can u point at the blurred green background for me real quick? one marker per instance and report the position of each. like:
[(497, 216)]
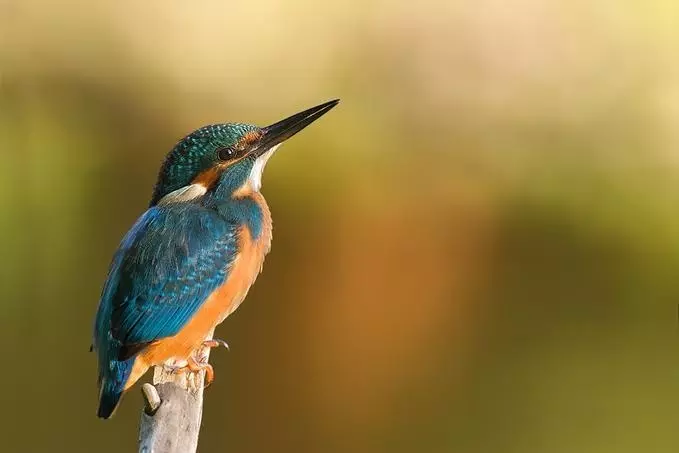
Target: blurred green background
[(477, 251)]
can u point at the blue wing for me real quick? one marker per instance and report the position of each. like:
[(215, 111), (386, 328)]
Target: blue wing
[(167, 265), (170, 262)]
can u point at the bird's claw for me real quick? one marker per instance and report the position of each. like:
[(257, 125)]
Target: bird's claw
[(198, 362), (215, 343), (193, 366)]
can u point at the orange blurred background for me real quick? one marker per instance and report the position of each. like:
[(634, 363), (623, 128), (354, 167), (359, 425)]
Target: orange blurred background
[(475, 252)]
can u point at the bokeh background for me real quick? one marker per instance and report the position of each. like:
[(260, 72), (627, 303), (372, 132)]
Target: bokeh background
[(477, 251)]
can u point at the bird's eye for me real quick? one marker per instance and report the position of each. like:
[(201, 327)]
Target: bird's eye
[(226, 153)]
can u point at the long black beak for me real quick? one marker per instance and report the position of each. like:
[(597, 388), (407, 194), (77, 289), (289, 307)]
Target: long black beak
[(283, 130)]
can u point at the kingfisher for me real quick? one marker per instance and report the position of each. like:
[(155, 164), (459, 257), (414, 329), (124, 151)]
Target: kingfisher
[(188, 261)]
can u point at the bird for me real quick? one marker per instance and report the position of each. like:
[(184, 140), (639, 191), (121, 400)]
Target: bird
[(189, 260)]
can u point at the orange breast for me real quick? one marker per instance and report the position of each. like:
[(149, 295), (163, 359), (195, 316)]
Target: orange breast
[(221, 303)]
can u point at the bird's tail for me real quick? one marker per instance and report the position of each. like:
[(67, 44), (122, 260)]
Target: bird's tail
[(112, 385)]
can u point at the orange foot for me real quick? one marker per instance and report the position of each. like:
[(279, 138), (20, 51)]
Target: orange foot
[(194, 366)]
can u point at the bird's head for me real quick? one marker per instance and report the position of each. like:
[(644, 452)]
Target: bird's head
[(225, 158)]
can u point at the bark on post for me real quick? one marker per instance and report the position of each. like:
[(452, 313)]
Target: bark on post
[(171, 423)]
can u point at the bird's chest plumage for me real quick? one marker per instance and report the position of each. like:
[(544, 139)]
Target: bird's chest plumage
[(254, 242), (247, 264)]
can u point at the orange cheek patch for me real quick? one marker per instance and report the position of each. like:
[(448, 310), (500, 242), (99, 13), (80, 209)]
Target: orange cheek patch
[(207, 178), (250, 138)]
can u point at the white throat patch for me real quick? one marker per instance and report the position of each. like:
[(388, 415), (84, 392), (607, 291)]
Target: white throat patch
[(255, 178), (185, 193)]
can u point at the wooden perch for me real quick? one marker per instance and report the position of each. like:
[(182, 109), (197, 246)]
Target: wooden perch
[(173, 409)]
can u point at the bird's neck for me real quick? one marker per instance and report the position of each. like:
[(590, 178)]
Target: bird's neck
[(237, 198), (243, 207)]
